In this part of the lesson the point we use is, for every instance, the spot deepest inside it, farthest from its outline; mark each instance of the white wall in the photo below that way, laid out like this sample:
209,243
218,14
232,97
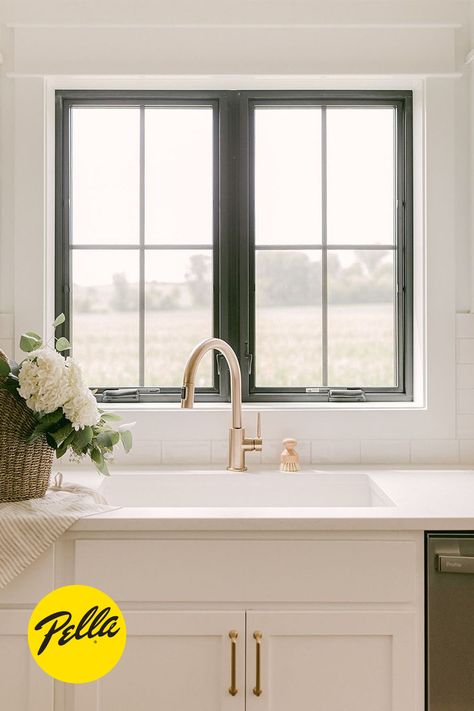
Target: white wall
281,43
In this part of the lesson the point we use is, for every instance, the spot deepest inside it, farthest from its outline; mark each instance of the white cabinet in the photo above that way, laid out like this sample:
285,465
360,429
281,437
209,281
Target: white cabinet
23,686
331,660
173,661
335,660
340,617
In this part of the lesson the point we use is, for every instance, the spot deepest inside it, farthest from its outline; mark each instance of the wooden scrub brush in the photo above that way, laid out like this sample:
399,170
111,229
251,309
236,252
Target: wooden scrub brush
290,460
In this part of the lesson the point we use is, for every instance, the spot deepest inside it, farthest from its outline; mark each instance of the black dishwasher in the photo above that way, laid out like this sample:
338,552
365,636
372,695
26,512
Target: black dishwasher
450,621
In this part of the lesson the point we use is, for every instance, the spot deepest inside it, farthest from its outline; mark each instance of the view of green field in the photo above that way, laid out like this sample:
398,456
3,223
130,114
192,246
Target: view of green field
360,346
288,352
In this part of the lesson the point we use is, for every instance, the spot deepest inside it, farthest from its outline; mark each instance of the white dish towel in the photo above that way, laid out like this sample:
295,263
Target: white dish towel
28,528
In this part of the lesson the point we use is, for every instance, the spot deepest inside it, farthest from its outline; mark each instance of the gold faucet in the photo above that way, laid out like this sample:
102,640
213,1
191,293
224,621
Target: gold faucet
239,444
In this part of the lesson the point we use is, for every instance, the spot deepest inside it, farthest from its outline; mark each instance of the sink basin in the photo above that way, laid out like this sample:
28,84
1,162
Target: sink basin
222,489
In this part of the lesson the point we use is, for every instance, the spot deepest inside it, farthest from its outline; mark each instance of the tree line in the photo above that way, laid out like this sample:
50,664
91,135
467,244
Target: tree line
283,279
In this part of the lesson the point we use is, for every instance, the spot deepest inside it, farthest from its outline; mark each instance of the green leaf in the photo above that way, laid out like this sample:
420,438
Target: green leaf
50,419
59,320
82,438
103,468
110,417
11,383
62,433
62,449
4,368
108,438
62,344
127,440
99,461
30,341
51,441
48,423
36,434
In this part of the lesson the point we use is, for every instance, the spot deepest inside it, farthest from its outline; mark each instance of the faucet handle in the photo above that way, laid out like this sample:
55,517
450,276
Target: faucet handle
258,442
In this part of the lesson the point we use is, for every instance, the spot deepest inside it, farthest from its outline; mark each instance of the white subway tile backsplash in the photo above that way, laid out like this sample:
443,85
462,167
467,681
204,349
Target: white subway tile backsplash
387,451
6,326
6,345
465,401
465,375
304,450
143,453
335,451
219,451
271,451
466,451
465,325
186,452
465,390
435,451
465,350
465,426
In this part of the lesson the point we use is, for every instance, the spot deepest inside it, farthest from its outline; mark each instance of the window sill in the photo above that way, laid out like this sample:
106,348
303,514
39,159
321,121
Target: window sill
269,406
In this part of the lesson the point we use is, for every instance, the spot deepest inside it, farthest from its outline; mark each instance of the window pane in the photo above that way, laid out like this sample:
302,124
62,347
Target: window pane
178,175
360,175
361,318
287,176
105,175
178,314
288,318
105,315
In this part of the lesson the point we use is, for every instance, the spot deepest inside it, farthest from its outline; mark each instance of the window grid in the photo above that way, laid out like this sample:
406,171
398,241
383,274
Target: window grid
402,247
65,247
234,315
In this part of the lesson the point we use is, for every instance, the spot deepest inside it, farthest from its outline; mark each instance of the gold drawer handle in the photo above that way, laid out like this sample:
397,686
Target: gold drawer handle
233,690
257,690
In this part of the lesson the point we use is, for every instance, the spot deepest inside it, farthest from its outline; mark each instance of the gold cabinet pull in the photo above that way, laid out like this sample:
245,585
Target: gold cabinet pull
257,690
233,690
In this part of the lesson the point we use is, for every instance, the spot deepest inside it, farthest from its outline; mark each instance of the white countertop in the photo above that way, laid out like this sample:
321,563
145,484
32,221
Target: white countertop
429,498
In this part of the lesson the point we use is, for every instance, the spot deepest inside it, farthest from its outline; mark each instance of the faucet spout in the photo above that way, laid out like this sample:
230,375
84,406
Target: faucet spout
238,443
189,378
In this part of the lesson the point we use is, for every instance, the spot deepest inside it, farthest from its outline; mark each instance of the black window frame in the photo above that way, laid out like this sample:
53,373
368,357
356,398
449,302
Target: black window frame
233,244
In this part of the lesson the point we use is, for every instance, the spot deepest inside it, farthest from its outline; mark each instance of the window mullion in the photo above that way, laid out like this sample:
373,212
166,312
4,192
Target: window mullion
141,278
324,253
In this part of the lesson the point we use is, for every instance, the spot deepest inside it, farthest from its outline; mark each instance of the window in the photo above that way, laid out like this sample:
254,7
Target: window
279,221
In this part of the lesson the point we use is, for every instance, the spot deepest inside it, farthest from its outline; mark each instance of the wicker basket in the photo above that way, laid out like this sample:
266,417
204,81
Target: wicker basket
25,469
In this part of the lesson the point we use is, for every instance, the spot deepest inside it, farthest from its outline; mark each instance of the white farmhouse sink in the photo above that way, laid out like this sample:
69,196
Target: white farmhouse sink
222,489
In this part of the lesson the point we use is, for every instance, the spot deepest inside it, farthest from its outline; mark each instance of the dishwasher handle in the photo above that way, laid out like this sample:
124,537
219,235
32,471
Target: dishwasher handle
456,564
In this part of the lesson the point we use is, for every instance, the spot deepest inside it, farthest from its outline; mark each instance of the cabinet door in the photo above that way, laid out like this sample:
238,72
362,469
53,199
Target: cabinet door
333,661
23,685
173,661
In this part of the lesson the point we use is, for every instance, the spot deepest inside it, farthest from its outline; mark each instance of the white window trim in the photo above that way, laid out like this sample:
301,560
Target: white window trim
432,413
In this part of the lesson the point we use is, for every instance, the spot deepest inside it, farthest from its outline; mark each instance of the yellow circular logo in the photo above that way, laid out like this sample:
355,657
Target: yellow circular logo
76,634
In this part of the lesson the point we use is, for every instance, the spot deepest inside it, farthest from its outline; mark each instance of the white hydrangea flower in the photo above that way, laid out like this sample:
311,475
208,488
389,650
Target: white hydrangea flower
48,381
44,381
81,409
75,377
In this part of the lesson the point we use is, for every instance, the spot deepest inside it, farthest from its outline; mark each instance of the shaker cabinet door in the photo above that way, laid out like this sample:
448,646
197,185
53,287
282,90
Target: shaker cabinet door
23,685
336,661
173,661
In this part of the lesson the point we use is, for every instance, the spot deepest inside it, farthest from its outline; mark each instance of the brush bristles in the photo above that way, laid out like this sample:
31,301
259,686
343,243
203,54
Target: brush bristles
289,467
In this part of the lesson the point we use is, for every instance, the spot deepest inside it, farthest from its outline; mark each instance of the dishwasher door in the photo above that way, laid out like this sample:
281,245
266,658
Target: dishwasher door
450,622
